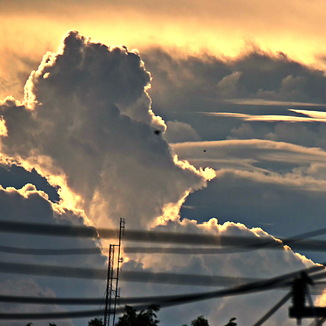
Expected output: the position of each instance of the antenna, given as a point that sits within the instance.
(112, 295)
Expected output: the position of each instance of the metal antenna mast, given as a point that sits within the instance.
(111, 298)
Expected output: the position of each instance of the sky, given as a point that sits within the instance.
(179, 116)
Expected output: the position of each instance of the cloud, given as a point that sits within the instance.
(86, 124)
(14, 286)
(180, 131)
(260, 264)
(251, 104)
(209, 78)
(35, 207)
(314, 116)
(30, 205)
(227, 28)
(255, 152)
(185, 84)
(275, 185)
(263, 102)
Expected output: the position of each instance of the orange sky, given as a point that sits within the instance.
(289, 26)
(295, 27)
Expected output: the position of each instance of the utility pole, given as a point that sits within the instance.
(299, 309)
(111, 297)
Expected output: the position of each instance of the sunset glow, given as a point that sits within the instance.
(192, 120)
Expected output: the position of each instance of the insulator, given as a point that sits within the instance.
(299, 288)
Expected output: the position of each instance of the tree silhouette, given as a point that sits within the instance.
(232, 322)
(96, 322)
(143, 318)
(200, 321)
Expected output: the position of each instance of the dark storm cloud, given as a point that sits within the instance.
(257, 75)
(257, 83)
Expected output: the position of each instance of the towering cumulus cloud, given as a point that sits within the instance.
(86, 124)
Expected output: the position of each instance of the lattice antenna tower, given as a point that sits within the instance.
(112, 294)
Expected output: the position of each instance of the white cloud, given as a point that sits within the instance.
(312, 117)
(264, 102)
(253, 264)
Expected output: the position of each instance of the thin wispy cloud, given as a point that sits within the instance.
(314, 116)
(264, 102)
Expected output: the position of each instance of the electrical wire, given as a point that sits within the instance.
(273, 310)
(169, 301)
(126, 276)
(307, 245)
(222, 243)
(50, 252)
(157, 236)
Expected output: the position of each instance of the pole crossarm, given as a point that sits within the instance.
(307, 312)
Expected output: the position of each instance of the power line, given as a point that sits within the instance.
(311, 245)
(168, 301)
(245, 245)
(84, 301)
(50, 252)
(51, 315)
(127, 276)
(166, 237)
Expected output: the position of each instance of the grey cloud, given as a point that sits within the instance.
(180, 131)
(252, 74)
(88, 117)
(27, 286)
(311, 134)
(228, 86)
(249, 153)
(267, 84)
(29, 205)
